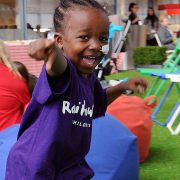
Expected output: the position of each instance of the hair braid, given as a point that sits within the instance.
(64, 5)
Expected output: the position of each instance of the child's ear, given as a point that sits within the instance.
(58, 40)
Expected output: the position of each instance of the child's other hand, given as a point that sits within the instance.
(41, 48)
(137, 85)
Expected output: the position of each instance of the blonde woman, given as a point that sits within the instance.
(164, 33)
(14, 93)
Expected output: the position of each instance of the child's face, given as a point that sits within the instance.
(85, 32)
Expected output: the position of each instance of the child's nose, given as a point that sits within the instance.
(95, 45)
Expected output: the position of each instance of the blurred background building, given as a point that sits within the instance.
(15, 14)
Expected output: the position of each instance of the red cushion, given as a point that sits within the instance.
(135, 113)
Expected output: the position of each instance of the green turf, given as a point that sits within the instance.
(163, 162)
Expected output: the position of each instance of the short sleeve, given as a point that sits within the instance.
(100, 100)
(47, 89)
(42, 89)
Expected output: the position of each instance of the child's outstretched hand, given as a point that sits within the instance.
(47, 50)
(41, 48)
(137, 85)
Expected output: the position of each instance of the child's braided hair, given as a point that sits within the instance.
(64, 5)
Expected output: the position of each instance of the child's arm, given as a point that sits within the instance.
(136, 84)
(47, 50)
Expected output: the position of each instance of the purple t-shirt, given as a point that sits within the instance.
(55, 133)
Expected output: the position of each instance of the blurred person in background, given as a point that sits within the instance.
(178, 34)
(29, 26)
(28, 77)
(165, 34)
(14, 93)
(39, 33)
(152, 23)
(133, 9)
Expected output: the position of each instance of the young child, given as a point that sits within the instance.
(55, 134)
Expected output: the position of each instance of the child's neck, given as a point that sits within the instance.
(85, 75)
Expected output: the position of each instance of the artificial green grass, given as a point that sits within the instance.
(163, 162)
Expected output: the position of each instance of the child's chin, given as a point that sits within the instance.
(87, 72)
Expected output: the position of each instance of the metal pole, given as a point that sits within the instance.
(122, 8)
(115, 6)
(22, 15)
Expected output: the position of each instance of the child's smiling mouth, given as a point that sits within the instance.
(90, 60)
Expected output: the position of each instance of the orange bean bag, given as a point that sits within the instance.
(135, 113)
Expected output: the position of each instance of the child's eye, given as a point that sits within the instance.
(104, 39)
(84, 37)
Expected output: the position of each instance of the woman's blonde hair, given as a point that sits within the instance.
(162, 17)
(6, 60)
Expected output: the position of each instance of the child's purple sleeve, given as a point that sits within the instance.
(48, 88)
